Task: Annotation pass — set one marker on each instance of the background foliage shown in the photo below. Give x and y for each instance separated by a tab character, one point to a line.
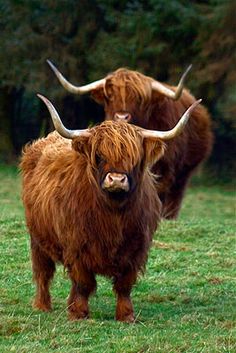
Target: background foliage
86	39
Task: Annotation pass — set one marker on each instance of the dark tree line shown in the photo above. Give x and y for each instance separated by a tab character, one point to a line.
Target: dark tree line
86	39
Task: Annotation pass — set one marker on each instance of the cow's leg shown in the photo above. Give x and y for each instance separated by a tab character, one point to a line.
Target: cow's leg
83	284
173	199
43	270
172	204
122	287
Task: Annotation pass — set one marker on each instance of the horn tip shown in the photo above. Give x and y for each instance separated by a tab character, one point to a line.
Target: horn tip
187	71
53	67
49	63
40	95
44	99
194	105
189	67
198	101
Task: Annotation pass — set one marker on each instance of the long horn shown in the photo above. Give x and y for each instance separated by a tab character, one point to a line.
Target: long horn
61	129
75	89
167	135
157	86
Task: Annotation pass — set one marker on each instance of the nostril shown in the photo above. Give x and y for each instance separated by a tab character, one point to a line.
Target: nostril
110	178
116	116
123	179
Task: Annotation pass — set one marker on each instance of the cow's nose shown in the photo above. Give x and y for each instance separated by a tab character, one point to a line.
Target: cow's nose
122	116
114	178
116	182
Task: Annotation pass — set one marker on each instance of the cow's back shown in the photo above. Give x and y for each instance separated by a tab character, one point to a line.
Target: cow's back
33	152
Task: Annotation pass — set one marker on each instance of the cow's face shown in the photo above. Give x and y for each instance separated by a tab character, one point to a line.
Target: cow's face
125	96
117	156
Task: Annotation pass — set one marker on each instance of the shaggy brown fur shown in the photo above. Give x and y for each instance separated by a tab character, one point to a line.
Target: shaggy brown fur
72	220
130	92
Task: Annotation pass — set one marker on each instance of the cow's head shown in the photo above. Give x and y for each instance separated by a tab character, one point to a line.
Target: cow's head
125	94
117	153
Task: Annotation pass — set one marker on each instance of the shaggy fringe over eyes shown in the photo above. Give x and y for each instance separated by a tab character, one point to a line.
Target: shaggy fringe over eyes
137	85
117	142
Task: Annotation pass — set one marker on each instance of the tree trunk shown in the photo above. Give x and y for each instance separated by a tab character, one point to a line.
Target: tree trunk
6	146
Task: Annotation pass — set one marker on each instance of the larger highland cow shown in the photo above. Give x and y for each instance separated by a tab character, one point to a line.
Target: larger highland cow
91	205
130	96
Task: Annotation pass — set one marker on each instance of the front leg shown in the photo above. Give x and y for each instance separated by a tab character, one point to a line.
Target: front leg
122	287
83	284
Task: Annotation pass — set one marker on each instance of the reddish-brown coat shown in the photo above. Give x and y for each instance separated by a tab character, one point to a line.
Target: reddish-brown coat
72	221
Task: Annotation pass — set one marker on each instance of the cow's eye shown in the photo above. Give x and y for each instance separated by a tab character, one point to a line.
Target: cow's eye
98	158
108	90
109	98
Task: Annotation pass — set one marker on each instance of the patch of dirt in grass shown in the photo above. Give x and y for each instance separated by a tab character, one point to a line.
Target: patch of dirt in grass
168	246
186	300
10	328
143	349
215	280
11	301
156	298
228	324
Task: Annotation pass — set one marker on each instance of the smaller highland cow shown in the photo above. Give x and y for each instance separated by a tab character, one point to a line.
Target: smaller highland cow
91	205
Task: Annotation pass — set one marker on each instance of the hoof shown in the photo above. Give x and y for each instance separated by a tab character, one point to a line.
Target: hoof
129	318
82	315
46	307
78	310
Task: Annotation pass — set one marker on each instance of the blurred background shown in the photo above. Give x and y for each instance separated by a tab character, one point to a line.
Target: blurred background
87	39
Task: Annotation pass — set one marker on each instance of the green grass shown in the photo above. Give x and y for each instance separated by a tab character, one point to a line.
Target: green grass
185	302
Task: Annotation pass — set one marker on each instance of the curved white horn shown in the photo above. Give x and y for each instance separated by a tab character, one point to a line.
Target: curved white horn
61	129
167	135
75	89
157	86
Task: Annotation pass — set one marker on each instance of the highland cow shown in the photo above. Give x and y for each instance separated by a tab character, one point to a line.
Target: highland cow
133	97
90	204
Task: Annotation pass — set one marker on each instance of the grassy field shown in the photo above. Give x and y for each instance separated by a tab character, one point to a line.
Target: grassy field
185	302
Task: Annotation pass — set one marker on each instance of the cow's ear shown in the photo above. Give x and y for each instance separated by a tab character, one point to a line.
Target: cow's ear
98	95
153	150
81	144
